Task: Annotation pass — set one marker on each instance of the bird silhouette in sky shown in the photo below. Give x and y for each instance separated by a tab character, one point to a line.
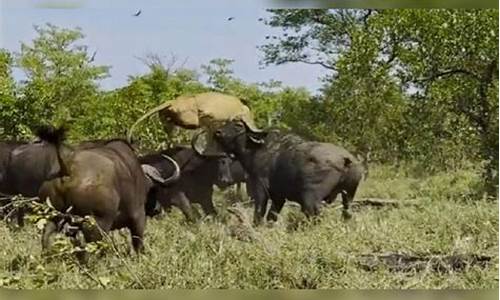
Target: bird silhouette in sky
230	18
260	19
137	13
93	56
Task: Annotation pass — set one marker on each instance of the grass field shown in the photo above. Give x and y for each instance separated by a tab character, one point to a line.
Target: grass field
230	253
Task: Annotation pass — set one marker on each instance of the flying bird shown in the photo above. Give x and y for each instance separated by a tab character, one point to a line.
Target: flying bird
93	56
260	19
230	18
137	13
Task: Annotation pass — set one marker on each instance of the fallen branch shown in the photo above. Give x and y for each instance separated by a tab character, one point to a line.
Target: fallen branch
397	262
377	202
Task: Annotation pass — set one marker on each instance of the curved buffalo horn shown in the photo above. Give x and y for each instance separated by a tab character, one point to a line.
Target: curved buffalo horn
203	153
153	173
255	135
256	140
250	127
145	116
177	172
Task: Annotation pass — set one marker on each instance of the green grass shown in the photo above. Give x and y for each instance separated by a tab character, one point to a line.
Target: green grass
293	253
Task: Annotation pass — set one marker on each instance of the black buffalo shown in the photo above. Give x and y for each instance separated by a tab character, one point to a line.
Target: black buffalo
24	166
234	174
100	179
198	176
284	166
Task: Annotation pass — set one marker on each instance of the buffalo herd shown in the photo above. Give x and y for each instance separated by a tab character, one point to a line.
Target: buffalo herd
108	180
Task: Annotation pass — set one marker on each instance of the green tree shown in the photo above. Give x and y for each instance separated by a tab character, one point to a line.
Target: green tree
409	84
452	57
162	82
61	80
9	113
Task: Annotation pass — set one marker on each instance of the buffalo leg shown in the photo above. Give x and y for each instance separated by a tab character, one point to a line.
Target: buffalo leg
333	195
81	255
48	230
207	204
346	203
276	207
20	212
95	233
208	207
260	209
91	234
137	232
183	203
310	204
258	192
238	191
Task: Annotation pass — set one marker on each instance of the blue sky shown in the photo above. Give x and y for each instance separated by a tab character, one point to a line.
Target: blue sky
192	30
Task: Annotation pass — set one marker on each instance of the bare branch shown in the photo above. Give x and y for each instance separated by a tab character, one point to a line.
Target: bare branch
324	65
447	73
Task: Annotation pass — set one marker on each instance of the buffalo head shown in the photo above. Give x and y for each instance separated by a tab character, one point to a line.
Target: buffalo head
233	137
224	173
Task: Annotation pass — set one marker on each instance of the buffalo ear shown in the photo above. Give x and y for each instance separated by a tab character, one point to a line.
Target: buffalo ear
208	147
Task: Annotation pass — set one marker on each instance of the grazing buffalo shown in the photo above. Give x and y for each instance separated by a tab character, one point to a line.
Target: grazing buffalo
284	166
102	179
195	185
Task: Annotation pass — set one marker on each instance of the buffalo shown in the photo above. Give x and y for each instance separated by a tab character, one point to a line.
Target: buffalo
284	166
24	166
236	175
102	179
198	176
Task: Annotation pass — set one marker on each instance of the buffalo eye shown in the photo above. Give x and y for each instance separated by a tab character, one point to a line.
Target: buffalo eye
218	133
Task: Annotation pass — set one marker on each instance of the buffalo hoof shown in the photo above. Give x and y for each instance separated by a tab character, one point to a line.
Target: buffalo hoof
347	215
82	256
257	222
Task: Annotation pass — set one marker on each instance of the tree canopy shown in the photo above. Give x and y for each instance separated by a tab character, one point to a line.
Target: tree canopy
417	86
407	84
